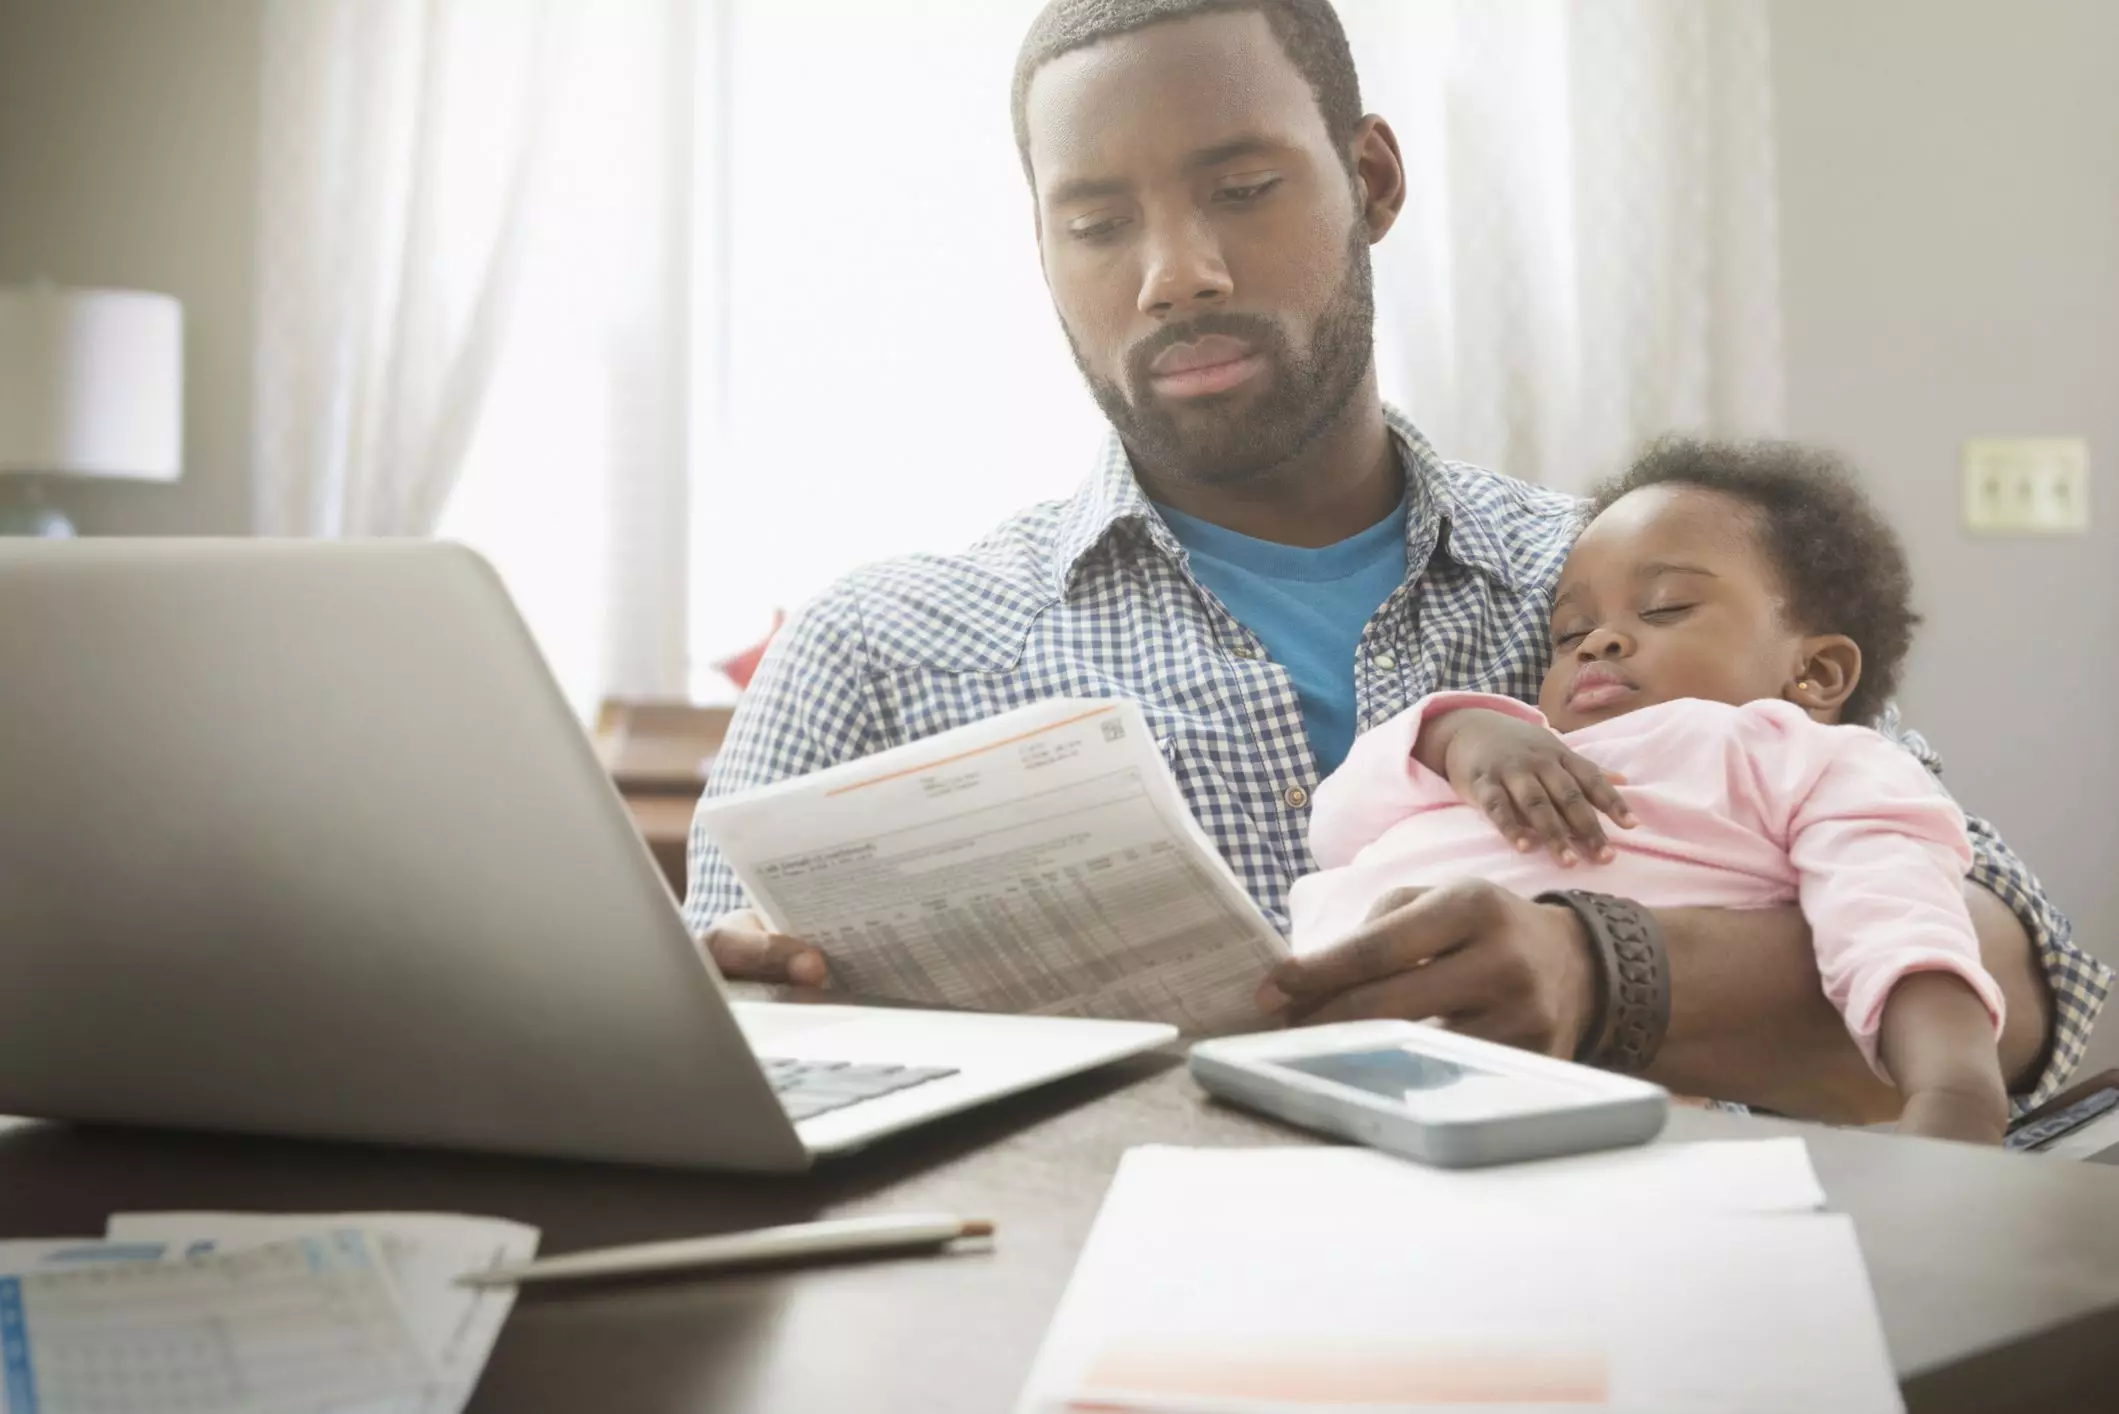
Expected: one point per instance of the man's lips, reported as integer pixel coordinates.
(1214, 363)
(1598, 686)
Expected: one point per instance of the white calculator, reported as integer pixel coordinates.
(1430, 1094)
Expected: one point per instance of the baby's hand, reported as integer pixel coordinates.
(1526, 781)
(1954, 1114)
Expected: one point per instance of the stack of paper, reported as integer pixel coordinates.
(1676, 1277)
(179, 1312)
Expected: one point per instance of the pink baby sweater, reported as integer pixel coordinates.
(1738, 807)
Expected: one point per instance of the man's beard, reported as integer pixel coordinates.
(1247, 441)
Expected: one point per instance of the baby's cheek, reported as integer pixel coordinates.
(1554, 706)
(1552, 696)
(1714, 669)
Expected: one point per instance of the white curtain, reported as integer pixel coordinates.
(401, 151)
(474, 315)
(1590, 253)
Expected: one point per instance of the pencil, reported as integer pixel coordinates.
(801, 1242)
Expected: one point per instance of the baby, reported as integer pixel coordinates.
(1725, 629)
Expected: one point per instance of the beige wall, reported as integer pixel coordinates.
(1950, 181)
(128, 157)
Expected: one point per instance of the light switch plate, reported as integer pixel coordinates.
(2027, 486)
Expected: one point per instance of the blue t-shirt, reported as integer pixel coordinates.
(1308, 607)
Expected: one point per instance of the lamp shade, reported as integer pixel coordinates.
(91, 383)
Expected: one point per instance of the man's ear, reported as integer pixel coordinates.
(1825, 675)
(1379, 176)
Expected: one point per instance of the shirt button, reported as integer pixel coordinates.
(1296, 797)
(1385, 661)
(1243, 650)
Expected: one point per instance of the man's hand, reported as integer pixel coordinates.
(747, 951)
(1526, 781)
(1487, 962)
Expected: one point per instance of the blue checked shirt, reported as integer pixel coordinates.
(1092, 597)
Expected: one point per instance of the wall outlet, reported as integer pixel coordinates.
(2027, 486)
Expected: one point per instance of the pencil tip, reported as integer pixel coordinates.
(977, 1227)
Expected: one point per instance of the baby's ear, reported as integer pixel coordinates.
(1825, 676)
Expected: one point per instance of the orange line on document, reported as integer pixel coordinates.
(966, 755)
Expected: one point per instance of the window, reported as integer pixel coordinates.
(895, 379)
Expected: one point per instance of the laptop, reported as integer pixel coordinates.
(303, 839)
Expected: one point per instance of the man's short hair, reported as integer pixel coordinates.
(1309, 30)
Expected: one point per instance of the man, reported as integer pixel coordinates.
(1269, 560)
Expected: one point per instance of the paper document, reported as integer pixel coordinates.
(390, 1333)
(1670, 1278)
(22, 1256)
(455, 1326)
(308, 1323)
(1743, 1176)
(1042, 861)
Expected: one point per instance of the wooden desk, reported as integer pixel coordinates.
(1998, 1276)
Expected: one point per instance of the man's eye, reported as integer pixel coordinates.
(1665, 612)
(1243, 191)
(1568, 640)
(1097, 228)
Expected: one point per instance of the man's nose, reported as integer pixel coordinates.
(1185, 271)
(1603, 643)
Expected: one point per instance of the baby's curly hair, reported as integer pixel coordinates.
(1841, 565)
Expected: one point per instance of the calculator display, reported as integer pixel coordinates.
(1435, 1088)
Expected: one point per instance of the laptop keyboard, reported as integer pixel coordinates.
(810, 1088)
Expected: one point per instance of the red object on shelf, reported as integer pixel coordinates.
(740, 668)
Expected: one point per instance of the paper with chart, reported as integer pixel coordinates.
(1041, 861)
(455, 1326)
(173, 1311)
(1668, 1278)
(307, 1323)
